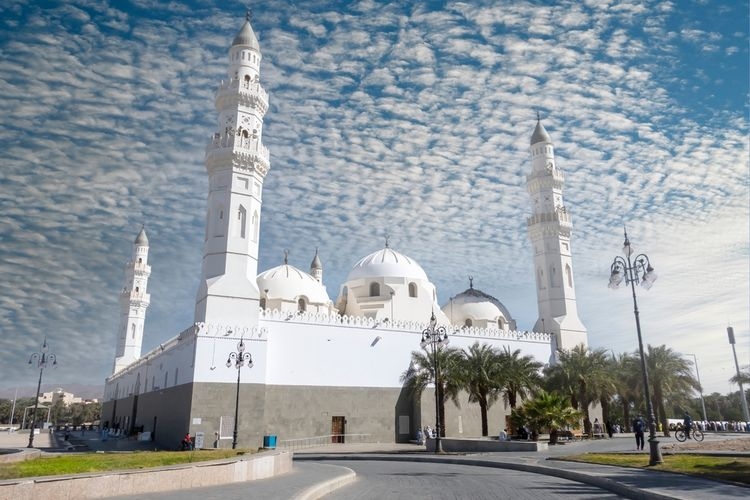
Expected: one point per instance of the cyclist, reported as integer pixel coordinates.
(687, 424)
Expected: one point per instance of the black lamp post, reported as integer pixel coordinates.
(41, 358)
(238, 359)
(636, 271)
(436, 337)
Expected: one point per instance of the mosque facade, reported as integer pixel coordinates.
(319, 367)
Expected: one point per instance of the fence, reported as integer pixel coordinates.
(329, 439)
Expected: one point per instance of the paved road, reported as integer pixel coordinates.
(377, 480)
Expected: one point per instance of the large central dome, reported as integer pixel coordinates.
(387, 263)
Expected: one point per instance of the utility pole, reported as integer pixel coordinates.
(745, 413)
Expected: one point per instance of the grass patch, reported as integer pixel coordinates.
(101, 462)
(735, 469)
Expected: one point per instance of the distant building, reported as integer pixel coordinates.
(67, 398)
(320, 367)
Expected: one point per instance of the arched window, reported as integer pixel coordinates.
(500, 324)
(255, 225)
(540, 279)
(569, 275)
(132, 331)
(263, 303)
(553, 277)
(301, 305)
(140, 260)
(241, 221)
(412, 289)
(176, 371)
(247, 81)
(374, 289)
(468, 322)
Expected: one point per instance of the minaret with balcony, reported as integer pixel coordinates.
(549, 229)
(134, 301)
(236, 163)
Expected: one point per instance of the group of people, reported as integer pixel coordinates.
(428, 432)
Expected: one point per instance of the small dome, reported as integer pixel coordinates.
(478, 306)
(540, 134)
(246, 36)
(286, 282)
(142, 239)
(386, 263)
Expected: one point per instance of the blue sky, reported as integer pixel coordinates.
(410, 119)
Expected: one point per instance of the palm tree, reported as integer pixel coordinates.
(743, 377)
(548, 412)
(671, 379)
(626, 372)
(582, 375)
(522, 376)
(482, 376)
(421, 373)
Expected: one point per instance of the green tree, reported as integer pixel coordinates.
(743, 377)
(626, 376)
(582, 375)
(482, 376)
(671, 379)
(420, 374)
(546, 412)
(522, 376)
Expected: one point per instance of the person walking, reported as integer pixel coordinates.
(639, 426)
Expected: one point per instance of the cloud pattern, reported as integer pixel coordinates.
(409, 119)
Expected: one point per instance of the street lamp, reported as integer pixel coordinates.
(636, 271)
(436, 337)
(745, 412)
(700, 387)
(238, 359)
(41, 359)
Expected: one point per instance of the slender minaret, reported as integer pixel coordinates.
(236, 163)
(134, 301)
(549, 231)
(316, 267)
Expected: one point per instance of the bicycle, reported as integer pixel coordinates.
(695, 433)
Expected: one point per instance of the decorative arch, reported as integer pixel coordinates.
(500, 324)
(569, 275)
(374, 289)
(256, 226)
(301, 304)
(412, 289)
(468, 322)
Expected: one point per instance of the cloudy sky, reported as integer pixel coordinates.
(410, 119)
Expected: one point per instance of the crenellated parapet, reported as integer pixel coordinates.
(407, 326)
(244, 93)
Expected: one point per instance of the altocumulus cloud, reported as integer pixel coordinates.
(395, 118)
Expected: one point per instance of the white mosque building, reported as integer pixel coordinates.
(320, 367)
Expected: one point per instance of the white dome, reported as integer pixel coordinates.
(386, 263)
(478, 306)
(289, 283)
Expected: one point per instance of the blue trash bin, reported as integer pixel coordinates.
(269, 442)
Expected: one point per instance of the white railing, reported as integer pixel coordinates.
(329, 439)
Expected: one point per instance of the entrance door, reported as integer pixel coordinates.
(338, 429)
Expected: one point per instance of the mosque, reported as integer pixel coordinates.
(314, 366)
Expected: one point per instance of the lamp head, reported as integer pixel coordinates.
(615, 278)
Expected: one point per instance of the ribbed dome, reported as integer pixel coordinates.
(386, 263)
(286, 282)
(540, 134)
(477, 305)
(246, 36)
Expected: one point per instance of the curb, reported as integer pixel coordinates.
(579, 477)
(323, 488)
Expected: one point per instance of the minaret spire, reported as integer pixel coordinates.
(549, 229)
(134, 301)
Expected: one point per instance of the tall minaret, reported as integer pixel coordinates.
(133, 304)
(236, 163)
(549, 231)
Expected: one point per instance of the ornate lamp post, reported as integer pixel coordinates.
(436, 337)
(638, 270)
(238, 359)
(41, 358)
